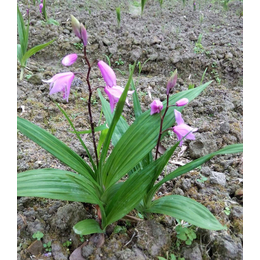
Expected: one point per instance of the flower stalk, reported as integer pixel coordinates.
(161, 125)
(89, 105)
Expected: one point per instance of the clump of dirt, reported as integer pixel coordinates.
(162, 39)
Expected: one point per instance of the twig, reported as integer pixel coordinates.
(130, 240)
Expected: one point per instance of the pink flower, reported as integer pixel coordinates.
(40, 7)
(182, 102)
(108, 74)
(156, 106)
(69, 59)
(182, 129)
(61, 82)
(114, 94)
(172, 82)
(113, 91)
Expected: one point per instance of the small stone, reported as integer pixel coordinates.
(236, 212)
(106, 42)
(87, 250)
(192, 253)
(35, 79)
(218, 178)
(36, 248)
(135, 54)
(224, 127)
(156, 40)
(59, 252)
(239, 192)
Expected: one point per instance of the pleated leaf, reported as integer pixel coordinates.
(56, 184)
(54, 146)
(132, 191)
(187, 209)
(234, 148)
(140, 138)
(86, 227)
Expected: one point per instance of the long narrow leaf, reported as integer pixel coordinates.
(234, 148)
(33, 50)
(56, 184)
(23, 37)
(121, 125)
(96, 129)
(134, 189)
(140, 138)
(78, 136)
(187, 209)
(54, 146)
(118, 112)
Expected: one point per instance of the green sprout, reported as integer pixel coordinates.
(118, 16)
(38, 235)
(47, 246)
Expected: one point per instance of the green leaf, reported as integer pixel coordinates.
(54, 146)
(102, 138)
(96, 129)
(23, 32)
(19, 52)
(33, 50)
(132, 191)
(140, 138)
(78, 136)
(187, 209)
(116, 117)
(182, 236)
(52, 21)
(121, 125)
(56, 184)
(86, 227)
(234, 148)
(142, 5)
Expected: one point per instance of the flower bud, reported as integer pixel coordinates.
(83, 33)
(108, 74)
(182, 102)
(156, 107)
(69, 59)
(40, 7)
(172, 82)
(75, 26)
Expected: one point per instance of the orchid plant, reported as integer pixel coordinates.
(126, 178)
(22, 53)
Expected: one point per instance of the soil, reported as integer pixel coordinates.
(162, 39)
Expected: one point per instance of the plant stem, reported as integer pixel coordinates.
(22, 72)
(161, 125)
(89, 106)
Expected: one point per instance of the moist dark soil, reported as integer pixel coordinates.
(173, 36)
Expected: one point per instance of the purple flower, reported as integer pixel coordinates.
(182, 102)
(61, 82)
(40, 7)
(114, 94)
(113, 91)
(108, 74)
(172, 82)
(156, 106)
(182, 129)
(69, 59)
